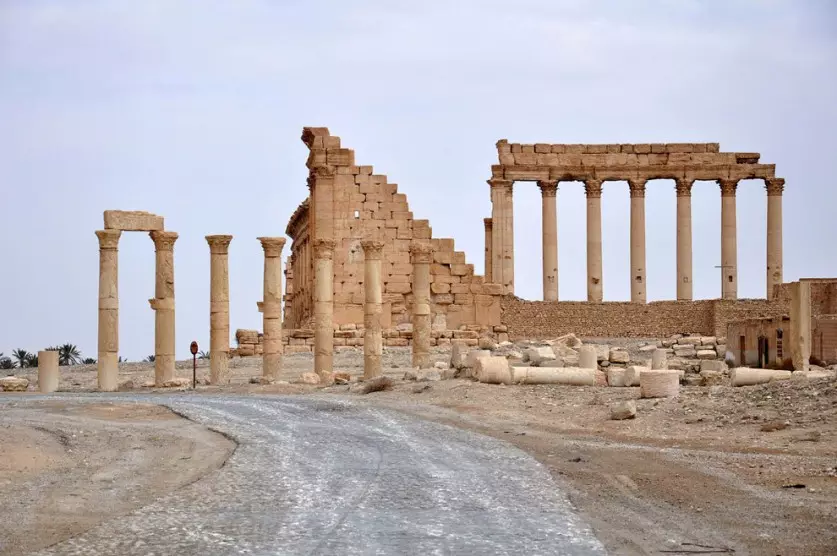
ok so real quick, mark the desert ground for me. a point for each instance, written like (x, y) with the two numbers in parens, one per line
(716, 470)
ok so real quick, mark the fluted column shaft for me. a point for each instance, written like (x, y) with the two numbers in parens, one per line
(163, 305)
(372, 308)
(107, 365)
(219, 308)
(595, 287)
(421, 257)
(502, 240)
(489, 232)
(774, 187)
(323, 306)
(271, 308)
(684, 239)
(549, 222)
(729, 240)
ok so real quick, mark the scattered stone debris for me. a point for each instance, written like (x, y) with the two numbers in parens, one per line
(774, 426)
(623, 410)
(376, 384)
(13, 384)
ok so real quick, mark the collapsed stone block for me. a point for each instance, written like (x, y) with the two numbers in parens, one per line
(659, 383)
(623, 410)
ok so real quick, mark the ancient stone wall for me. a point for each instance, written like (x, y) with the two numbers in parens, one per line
(539, 319)
(349, 203)
(823, 295)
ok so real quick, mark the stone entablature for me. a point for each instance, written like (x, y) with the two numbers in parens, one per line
(350, 203)
(695, 161)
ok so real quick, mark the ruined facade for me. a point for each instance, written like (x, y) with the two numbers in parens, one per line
(684, 163)
(349, 204)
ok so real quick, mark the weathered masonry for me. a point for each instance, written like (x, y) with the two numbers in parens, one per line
(685, 163)
(349, 204)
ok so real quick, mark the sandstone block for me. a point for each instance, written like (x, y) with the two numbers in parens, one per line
(706, 354)
(616, 377)
(690, 340)
(648, 349)
(711, 378)
(708, 341)
(632, 375)
(13, 384)
(133, 221)
(602, 352)
(537, 354)
(458, 354)
(659, 383)
(309, 378)
(658, 359)
(493, 370)
(687, 351)
(475, 355)
(623, 410)
(712, 365)
(619, 356)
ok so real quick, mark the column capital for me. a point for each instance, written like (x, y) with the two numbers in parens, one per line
(683, 186)
(163, 241)
(324, 248)
(422, 252)
(637, 187)
(500, 184)
(219, 244)
(372, 249)
(593, 188)
(272, 246)
(728, 187)
(108, 239)
(774, 186)
(548, 188)
(488, 222)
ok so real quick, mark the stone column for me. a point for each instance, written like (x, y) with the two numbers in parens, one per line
(163, 305)
(271, 308)
(489, 257)
(684, 239)
(638, 276)
(549, 222)
(800, 325)
(729, 240)
(108, 363)
(774, 187)
(323, 306)
(47, 371)
(595, 288)
(372, 308)
(219, 308)
(502, 235)
(421, 257)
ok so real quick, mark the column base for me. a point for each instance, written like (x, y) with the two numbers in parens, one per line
(107, 368)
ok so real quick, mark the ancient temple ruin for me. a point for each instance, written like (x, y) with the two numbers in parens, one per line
(684, 163)
(350, 203)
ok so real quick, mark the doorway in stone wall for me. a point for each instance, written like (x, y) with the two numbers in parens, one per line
(742, 348)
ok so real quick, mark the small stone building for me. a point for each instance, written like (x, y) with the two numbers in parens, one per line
(759, 343)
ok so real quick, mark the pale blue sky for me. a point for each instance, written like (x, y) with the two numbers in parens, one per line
(193, 110)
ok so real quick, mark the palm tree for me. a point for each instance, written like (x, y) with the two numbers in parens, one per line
(21, 355)
(68, 354)
(150, 358)
(88, 361)
(201, 354)
(6, 363)
(32, 360)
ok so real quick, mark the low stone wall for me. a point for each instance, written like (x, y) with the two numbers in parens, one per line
(351, 335)
(659, 319)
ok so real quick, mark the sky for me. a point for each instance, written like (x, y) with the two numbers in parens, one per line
(193, 110)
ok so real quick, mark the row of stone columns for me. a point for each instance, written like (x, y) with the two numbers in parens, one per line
(421, 258)
(499, 234)
(163, 304)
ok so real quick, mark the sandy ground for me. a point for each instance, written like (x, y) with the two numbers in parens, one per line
(719, 469)
(66, 468)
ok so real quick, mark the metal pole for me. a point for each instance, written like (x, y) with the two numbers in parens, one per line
(194, 371)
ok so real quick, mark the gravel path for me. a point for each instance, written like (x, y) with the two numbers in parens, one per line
(312, 476)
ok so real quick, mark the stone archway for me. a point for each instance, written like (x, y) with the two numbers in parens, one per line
(116, 222)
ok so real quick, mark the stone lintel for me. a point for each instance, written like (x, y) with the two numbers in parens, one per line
(133, 221)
